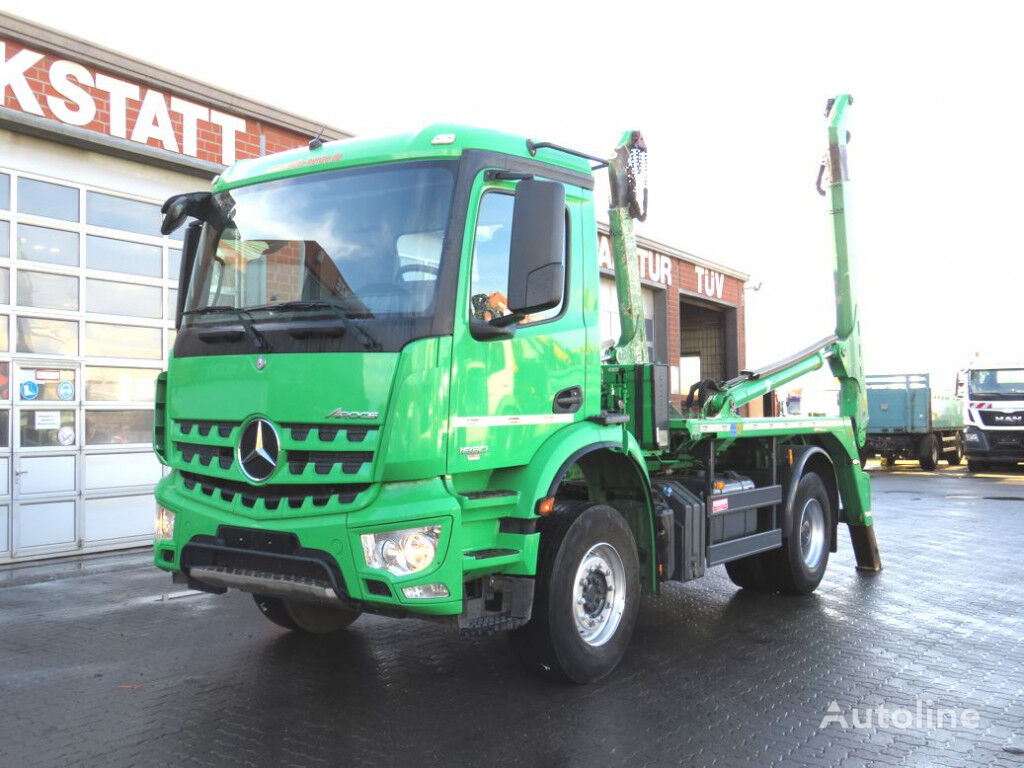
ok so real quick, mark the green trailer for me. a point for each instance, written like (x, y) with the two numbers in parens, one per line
(387, 395)
(907, 419)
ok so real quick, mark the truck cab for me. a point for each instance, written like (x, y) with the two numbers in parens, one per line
(993, 415)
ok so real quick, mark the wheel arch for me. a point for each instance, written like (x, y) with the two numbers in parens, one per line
(812, 458)
(610, 465)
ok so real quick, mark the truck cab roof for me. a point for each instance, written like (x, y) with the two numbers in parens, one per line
(437, 141)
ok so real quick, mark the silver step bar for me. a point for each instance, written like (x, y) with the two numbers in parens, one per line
(264, 583)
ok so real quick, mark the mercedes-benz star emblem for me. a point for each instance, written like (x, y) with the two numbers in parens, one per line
(259, 448)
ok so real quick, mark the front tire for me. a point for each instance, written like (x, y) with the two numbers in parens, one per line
(587, 594)
(308, 618)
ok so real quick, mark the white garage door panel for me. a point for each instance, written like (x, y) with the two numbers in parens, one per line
(5, 473)
(113, 470)
(4, 516)
(46, 474)
(118, 518)
(43, 524)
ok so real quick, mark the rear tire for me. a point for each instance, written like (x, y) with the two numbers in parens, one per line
(955, 456)
(798, 567)
(587, 594)
(308, 618)
(928, 453)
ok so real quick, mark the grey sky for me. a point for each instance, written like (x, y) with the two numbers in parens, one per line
(730, 97)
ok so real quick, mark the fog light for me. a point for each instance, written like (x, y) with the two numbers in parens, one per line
(163, 525)
(401, 552)
(972, 437)
(425, 591)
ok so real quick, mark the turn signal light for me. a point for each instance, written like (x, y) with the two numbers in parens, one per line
(546, 505)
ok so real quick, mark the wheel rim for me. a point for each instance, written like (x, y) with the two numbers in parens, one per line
(599, 594)
(812, 533)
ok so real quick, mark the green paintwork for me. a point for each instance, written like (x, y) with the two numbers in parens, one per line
(451, 417)
(349, 153)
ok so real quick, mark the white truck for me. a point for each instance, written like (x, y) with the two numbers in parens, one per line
(994, 416)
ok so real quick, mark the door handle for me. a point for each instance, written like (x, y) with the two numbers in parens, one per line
(568, 400)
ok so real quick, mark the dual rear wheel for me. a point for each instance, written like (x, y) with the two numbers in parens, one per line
(799, 565)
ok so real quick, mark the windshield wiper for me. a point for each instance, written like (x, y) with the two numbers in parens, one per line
(255, 337)
(338, 310)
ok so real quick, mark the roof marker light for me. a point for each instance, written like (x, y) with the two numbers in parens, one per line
(443, 138)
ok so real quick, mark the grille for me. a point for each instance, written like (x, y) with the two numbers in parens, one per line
(207, 454)
(272, 496)
(300, 432)
(996, 419)
(324, 461)
(311, 452)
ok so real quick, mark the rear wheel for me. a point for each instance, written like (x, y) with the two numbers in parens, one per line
(587, 594)
(310, 618)
(799, 565)
(928, 453)
(956, 455)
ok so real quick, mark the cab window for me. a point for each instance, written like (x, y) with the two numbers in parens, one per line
(492, 244)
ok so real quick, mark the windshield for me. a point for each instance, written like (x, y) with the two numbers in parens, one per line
(364, 243)
(997, 382)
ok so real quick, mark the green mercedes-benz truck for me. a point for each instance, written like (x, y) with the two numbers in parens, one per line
(388, 395)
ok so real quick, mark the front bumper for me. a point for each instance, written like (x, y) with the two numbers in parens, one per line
(994, 445)
(311, 552)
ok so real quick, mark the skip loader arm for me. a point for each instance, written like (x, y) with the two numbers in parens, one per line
(841, 351)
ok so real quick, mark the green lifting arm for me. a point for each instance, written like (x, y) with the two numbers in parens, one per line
(627, 163)
(842, 351)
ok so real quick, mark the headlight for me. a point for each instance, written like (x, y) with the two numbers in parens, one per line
(401, 552)
(163, 527)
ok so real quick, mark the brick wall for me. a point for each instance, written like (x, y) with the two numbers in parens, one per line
(209, 136)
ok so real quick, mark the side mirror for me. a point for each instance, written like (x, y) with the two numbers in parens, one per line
(189, 247)
(178, 208)
(536, 273)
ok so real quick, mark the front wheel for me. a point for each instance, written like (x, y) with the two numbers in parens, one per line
(587, 594)
(310, 618)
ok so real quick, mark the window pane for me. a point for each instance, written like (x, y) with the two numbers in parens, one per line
(122, 256)
(5, 380)
(117, 427)
(5, 285)
(173, 263)
(53, 246)
(45, 199)
(122, 298)
(5, 428)
(172, 303)
(44, 428)
(5, 191)
(103, 340)
(46, 291)
(171, 338)
(47, 337)
(132, 385)
(120, 213)
(5, 339)
(5, 240)
(47, 384)
(490, 260)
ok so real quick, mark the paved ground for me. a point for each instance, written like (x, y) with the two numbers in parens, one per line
(97, 667)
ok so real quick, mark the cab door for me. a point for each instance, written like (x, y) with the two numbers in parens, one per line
(510, 394)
